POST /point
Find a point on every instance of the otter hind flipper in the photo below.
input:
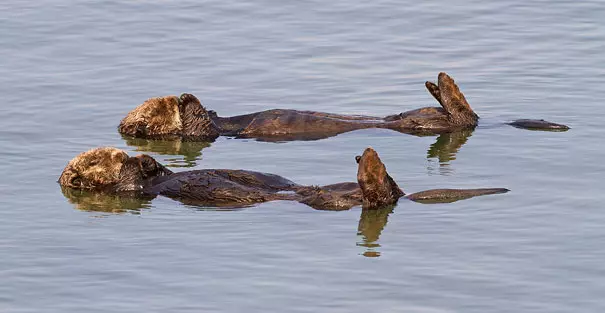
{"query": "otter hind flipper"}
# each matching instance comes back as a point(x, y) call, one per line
point(377, 187)
point(454, 102)
point(434, 91)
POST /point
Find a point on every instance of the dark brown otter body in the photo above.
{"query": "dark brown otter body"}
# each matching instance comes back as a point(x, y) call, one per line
point(454, 114)
point(186, 117)
point(142, 176)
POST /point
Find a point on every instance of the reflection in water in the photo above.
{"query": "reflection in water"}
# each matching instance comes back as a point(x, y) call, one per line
point(102, 202)
point(371, 224)
point(445, 149)
point(189, 150)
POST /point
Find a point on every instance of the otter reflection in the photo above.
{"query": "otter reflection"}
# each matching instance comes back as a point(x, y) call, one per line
point(371, 224)
point(85, 200)
point(445, 148)
point(191, 151)
point(447, 145)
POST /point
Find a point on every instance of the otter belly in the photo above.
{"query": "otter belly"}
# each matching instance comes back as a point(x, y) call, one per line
point(221, 187)
point(285, 122)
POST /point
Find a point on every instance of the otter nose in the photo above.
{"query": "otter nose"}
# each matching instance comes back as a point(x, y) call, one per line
point(357, 159)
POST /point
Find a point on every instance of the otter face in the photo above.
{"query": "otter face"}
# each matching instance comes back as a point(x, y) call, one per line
point(377, 187)
point(93, 169)
point(196, 121)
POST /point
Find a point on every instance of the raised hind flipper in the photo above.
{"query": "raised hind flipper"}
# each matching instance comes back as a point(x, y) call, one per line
point(452, 100)
point(377, 187)
point(434, 91)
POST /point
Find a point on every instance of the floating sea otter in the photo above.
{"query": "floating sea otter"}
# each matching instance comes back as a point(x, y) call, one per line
point(110, 170)
point(185, 117)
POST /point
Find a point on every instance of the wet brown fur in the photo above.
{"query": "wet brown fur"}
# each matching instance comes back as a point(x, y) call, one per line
point(93, 169)
point(455, 113)
point(378, 187)
point(109, 168)
point(155, 117)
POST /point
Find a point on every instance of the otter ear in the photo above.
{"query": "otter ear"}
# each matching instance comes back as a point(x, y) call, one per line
point(377, 187)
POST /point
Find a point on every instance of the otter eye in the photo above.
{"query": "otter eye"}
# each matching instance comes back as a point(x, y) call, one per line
point(76, 181)
point(357, 159)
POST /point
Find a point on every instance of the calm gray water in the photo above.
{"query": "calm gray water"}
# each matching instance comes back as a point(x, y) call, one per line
point(72, 69)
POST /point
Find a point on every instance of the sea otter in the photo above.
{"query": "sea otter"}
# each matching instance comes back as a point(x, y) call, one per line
point(110, 170)
point(186, 117)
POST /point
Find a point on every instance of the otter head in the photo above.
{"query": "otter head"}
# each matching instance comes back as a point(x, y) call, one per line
point(155, 117)
point(168, 116)
point(377, 187)
point(110, 169)
point(95, 169)
point(196, 121)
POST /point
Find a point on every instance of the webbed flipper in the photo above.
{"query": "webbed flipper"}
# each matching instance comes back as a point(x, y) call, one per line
point(377, 187)
point(433, 90)
point(447, 93)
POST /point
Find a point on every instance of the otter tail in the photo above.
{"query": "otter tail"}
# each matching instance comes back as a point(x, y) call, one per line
point(452, 195)
point(447, 93)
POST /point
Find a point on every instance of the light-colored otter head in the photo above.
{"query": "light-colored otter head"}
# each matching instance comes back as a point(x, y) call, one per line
point(155, 117)
point(94, 169)
point(110, 169)
point(377, 187)
point(170, 116)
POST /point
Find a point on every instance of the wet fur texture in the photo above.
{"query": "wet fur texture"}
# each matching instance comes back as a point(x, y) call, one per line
point(110, 169)
point(94, 169)
point(377, 186)
point(155, 117)
point(454, 114)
